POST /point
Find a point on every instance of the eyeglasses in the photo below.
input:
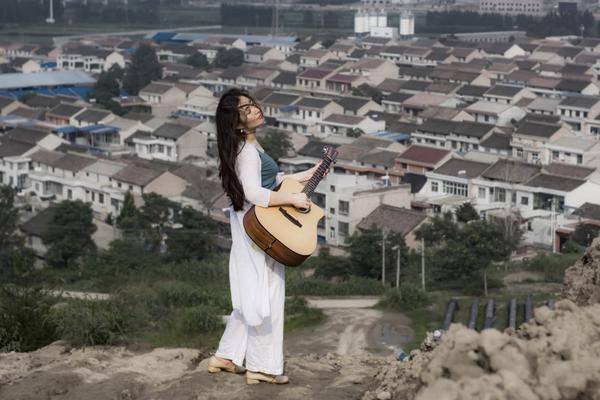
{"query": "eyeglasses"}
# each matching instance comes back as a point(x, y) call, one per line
point(247, 108)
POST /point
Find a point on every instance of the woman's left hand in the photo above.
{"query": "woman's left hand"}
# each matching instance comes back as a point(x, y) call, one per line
point(310, 172)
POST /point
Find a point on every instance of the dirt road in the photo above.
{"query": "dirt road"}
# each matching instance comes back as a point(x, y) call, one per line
point(334, 361)
point(351, 328)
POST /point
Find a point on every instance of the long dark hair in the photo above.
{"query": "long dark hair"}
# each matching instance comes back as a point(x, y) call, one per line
point(229, 137)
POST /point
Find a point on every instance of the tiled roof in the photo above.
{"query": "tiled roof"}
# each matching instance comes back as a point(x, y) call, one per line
point(584, 102)
point(568, 170)
point(170, 130)
point(511, 171)
point(424, 154)
point(497, 141)
point(27, 135)
point(589, 211)
point(462, 168)
point(554, 182)
point(92, 115)
point(530, 128)
point(503, 91)
point(394, 219)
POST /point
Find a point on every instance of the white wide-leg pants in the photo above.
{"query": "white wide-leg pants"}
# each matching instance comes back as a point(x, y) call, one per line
point(262, 345)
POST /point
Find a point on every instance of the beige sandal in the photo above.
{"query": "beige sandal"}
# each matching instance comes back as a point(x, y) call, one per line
point(217, 365)
point(253, 378)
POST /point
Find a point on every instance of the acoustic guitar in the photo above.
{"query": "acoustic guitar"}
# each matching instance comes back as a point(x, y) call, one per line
point(287, 234)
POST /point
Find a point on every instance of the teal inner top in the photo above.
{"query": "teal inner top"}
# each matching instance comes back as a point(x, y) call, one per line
point(268, 171)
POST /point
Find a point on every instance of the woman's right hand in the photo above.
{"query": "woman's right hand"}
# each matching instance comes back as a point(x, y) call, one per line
point(300, 201)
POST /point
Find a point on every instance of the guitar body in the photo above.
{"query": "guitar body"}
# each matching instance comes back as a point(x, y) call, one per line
point(284, 233)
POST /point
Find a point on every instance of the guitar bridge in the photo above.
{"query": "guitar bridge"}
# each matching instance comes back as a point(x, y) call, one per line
point(289, 217)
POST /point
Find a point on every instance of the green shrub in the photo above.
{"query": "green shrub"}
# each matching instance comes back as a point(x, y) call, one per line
point(24, 322)
point(183, 294)
point(296, 305)
point(296, 285)
point(406, 298)
point(201, 319)
point(553, 266)
point(91, 322)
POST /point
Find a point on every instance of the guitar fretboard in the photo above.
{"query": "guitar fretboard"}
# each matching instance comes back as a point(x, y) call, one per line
point(312, 183)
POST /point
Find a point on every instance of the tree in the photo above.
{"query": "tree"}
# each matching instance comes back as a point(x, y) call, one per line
point(16, 261)
point(128, 212)
point(459, 253)
point(584, 234)
point(365, 90)
point(156, 214)
point(197, 60)
point(328, 266)
point(70, 233)
point(228, 58)
point(365, 253)
point(107, 87)
point(144, 68)
point(194, 240)
point(466, 212)
point(276, 143)
point(355, 132)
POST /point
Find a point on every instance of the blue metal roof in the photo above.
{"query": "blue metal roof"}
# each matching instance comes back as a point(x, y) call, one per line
point(399, 137)
point(161, 36)
point(191, 36)
point(45, 79)
point(91, 129)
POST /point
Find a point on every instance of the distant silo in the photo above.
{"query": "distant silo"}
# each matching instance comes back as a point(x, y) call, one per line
point(407, 24)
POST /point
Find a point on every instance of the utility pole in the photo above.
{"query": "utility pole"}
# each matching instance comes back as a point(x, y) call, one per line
point(553, 223)
point(423, 264)
point(383, 257)
point(398, 267)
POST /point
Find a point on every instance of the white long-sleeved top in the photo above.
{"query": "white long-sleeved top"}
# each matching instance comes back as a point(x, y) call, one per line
point(247, 262)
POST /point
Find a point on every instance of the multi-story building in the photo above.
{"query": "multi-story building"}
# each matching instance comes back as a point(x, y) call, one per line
point(512, 7)
point(347, 199)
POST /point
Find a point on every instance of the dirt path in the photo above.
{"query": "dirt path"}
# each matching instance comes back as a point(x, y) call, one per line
point(334, 361)
point(350, 329)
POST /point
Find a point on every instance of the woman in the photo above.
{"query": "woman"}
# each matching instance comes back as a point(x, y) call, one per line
point(254, 331)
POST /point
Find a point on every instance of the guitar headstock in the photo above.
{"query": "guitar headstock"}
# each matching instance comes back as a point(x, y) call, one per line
point(330, 154)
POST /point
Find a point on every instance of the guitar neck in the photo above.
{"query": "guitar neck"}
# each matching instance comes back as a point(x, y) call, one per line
point(312, 183)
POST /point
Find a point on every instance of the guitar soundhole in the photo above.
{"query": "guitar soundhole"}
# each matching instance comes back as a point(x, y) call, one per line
point(303, 210)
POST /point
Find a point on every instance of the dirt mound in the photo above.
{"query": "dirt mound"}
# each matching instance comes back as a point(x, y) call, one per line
point(582, 280)
point(554, 356)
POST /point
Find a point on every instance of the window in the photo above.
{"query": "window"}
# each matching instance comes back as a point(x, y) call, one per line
point(332, 232)
point(101, 198)
point(119, 184)
point(481, 193)
point(332, 188)
point(321, 224)
point(343, 207)
point(318, 199)
point(93, 196)
point(513, 198)
point(331, 210)
point(434, 187)
point(555, 155)
point(500, 195)
point(343, 228)
point(524, 201)
point(459, 189)
point(69, 194)
point(579, 159)
point(130, 187)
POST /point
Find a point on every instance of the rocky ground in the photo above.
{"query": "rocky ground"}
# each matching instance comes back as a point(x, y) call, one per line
point(336, 360)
